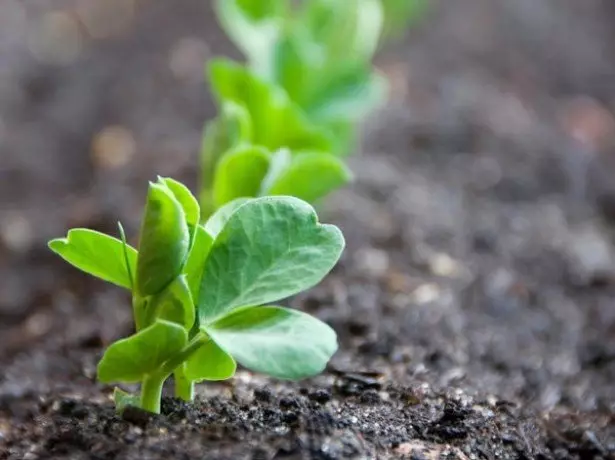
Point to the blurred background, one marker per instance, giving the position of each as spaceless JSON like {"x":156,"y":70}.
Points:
{"x":480,"y":224}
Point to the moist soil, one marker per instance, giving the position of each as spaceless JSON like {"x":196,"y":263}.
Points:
{"x":475,"y":302}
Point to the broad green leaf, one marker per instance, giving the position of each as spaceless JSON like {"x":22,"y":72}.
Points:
{"x":196,"y":260}
{"x":97,"y":254}
{"x":347,"y":96}
{"x":131,"y":359}
{"x":269,"y":249}
{"x":277,"y":121}
{"x":299,"y":178}
{"x":209,"y":362}
{"x":165,"y":241}
{"x":240,"y":173}
{"x":277,"y":341}
{"x":185,"y":198}
{"x":216,"y":222}
{"x":173,"y":304}
{"x":123,"y":399}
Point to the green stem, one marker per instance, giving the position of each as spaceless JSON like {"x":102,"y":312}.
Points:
{"x":151,"y":393}
{"x":151,"y":386}
{"x":184,"y":388}
{"x":173,"y":363}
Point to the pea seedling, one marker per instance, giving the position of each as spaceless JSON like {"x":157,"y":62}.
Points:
{"x":202,"y":294}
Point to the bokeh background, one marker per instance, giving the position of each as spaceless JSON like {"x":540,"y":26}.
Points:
{"x":480,"y":224}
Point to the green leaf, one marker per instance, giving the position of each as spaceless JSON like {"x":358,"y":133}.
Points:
{"x":186,"y":199}
{"x":165,"y":241}
{"x":240,"y":173}
{"x":232,"y":127}
{"x":277,"y":341}
{"x":173,"y":304}
{"x":97,"y":254}
{"x":131,"y":359}
{"x":196,"y":260}
{"x":348,"y":30}
{"x":347,"y":96}
{"x":277,"y":121}
{"x":123,"y":399}
{"x":209,"y":362}
{"x":298,"y":179}
{"x":216,"y":222}
{"x":270,"y":248}
{"x":254,"y":26}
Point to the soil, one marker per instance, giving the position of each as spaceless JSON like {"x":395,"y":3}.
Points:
{"x":475,"y":303}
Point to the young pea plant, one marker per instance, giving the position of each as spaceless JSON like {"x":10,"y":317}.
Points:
{"x":202,"y":294}
{"x":262,"y":144}
{"x":288,"y":117}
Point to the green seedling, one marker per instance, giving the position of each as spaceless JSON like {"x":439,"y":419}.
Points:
{"x":262,"y":144}
{"x":202,"y":294}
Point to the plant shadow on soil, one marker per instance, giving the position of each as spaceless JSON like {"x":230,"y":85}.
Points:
{"x":474,"y":304}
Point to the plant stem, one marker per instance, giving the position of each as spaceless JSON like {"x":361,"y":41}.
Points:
{"x":151,"y":392}
{"x":197,"y":342}
{"x":184,"y":388}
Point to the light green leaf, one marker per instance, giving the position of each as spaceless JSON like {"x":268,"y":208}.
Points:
{"x":240,"y":173}
{"x":216,"y":222}
{"x":131,"y":359}
{"x":347,"y":96}
{"x":277,"y":341}
{"x":209,"y":362}
{"x":196,"y":260}
{"x":348,"y":30}
{"x":298,"y":179}
{"x":165,"y":241}
{"x":232,"y":127}
{"x":277,"y":121}
{"x":186,"y":199}
{"x":269,"y":249}
{"x":123,"y":399}
{"x":97,"y":254}
{"x":173,"y":304}
{"x":254,"y":26}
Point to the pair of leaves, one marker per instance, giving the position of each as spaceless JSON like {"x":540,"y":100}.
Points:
{"x":249,"y":253}
{"x":253,"y":171}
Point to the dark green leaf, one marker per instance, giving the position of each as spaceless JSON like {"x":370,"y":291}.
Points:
{"x":277,"y":341}
{"x":240,"y":173}
{"x":131,"y":359}
{"x":165,"y":241}
{"x":97,"y":254}
{"x":270,"y":248}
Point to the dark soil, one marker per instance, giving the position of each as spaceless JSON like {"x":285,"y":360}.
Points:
{"x":475,"y":304}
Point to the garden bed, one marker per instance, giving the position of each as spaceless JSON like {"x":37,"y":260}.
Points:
{"x":474,"y":303}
